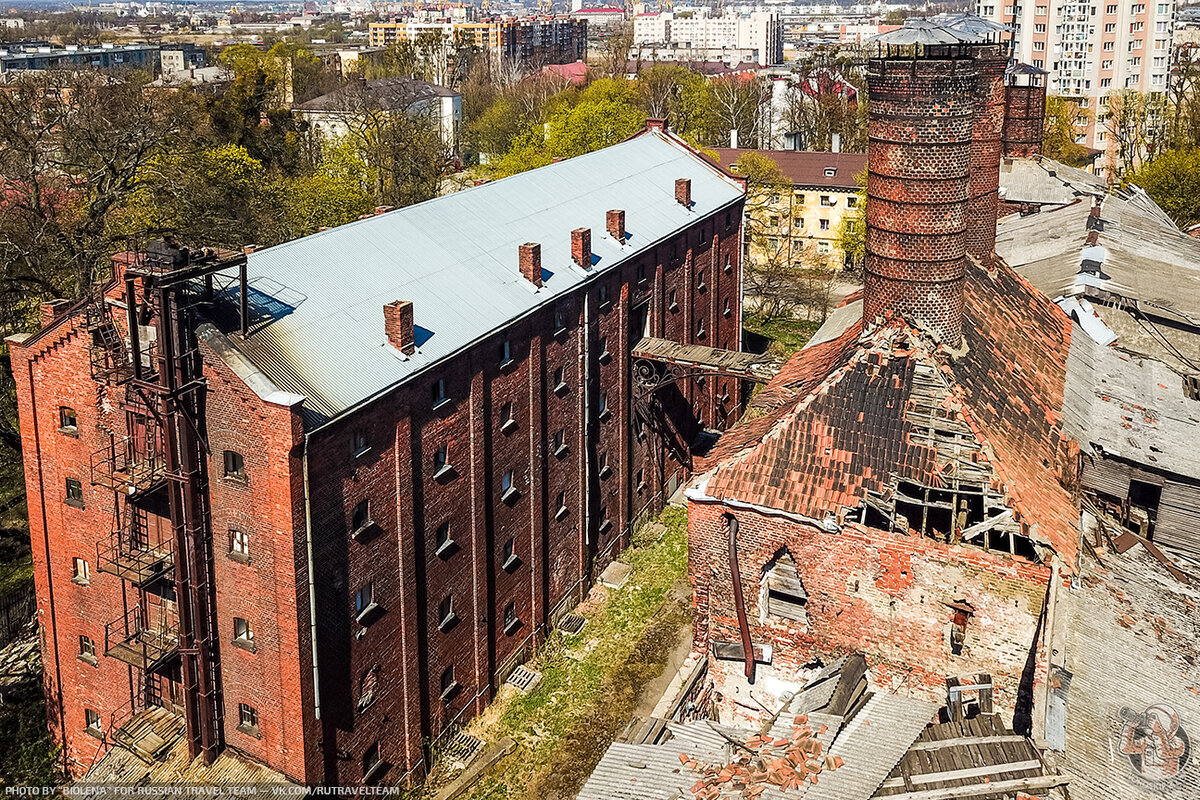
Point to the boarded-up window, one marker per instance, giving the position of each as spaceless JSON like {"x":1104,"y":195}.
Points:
{"x":783,"y":594}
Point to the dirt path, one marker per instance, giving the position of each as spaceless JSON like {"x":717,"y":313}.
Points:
{"x":653,"y":691}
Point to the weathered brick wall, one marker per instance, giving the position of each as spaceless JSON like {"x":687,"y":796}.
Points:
{"x":869,"y":591}
{"x":269,"y":589}
{"x":1024,"y":120}
{"x":920,"y":127}
{"x":555,"y":556}
{"x":400,"y":650}
{"x":55,"y":372}
{"x":986,"y":147}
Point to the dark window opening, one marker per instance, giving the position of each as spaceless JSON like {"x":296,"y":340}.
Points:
{"x":67,"y":421}
{"x":235,"y":465}
{"x":511,"y":620}
{"x":782,"y":593}
{"x":448,"y":684}
{"x":963,"y":612}
{"x":446,"y":615}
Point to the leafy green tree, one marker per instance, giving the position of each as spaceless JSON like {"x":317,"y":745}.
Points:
{"x":1173,"y":181}
{"x":679,"y":95}
{"x":1063,"y":118}
{"x":338,"y":192}
{"x":852,"y":229}
{"x":215,"y":196}
{"x":607,"y":113}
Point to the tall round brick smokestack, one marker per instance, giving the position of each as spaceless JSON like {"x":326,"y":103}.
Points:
{"x":922,"y":106}
{"x":1025,"y":111}
{"x":987,"y":129}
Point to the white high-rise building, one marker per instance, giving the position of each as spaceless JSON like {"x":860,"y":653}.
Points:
{"x":1091,"y":49}
{"x":695,"y":33}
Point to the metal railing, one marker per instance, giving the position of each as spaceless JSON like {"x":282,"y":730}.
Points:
{"x":128,"y":464}
{"x":133,"y":553}
{"x":142,"y":639}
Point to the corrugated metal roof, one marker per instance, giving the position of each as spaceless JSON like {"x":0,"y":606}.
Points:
{"x":321,"y":297}
{"x":871,"y":745}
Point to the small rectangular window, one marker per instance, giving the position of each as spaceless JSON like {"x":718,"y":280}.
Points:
{"x":87,"y":649}
{"x":92,"y":722}
{"x":449,"y":685}
{"x":243,"y":634}
{"x":511,"y":621}
{"x":247,"y":716}
{"x":510,"y":555}
{"x":508,"y":489}
{"x":364,"y":598}
{"x":239,"y":542}
{"x":446,"y":615}
{"x":74,"y":492}
{"x":358,"y":442}
{"x":560,"y":319}
{"x":360,"y":518}
{"x":80,"y":572}
{"x":67,"y":421}
{"x":508,"y":418}
{"x":602,"y":408}
{"x":506,"y":353}
{"x":826,"y":200}
{"x":235,"y":466}
{"x":672,"y":303}
{"x":605,"y":470}
{"x":603,"y":294}
{"x":560,"y":505}
{"x":438,"y":391}
{"x":444,"y":541}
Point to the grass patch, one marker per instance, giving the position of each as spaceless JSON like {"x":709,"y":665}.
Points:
{"x":787,"y":334}
{"x":16,"y":574}
{"x":590,"y":683}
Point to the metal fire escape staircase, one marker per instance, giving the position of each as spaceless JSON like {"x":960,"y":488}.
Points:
{"x":659,"y":363}
{"x":155,"y":360}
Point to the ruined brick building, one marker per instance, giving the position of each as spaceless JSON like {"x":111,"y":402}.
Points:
{"x":312,"y":504}
{"x":904,"y":487}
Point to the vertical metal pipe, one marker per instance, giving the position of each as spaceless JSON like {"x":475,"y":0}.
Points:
{"x":731,"y":525}
{"x":243,"y":301}
{"x":135,"y":344}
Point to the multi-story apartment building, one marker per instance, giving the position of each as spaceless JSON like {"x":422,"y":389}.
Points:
{"x":801,"y":226}
{"x":315,"y":502}
{"x":534,"y":41}
{"x":699,"y":34}
{"x":1091,"y":50}
{"x":105,"y":56}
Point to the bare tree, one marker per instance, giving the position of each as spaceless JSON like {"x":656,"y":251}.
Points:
{"x":76,"y":146}
{"x":739,"y":105}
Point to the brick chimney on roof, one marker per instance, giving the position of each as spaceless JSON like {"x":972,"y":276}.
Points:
{"x":530,"y":256}
{"x":398,"y":325}
{"x":991,"y":60}
{"x":1025,"y":112}
{"x":581,"y":247}
{"x":616,"y":224}
{"x":683,"y":192}
{"x":922,"y":106}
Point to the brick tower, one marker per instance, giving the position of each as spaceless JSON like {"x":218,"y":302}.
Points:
{"x":1025,"y":111}
{"x":919,"y":160}
{"x":991,"y":60}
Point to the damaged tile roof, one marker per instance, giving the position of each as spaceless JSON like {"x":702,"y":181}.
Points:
{"x":852,"y":415}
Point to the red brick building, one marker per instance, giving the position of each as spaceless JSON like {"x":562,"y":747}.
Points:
{"x":905,"y":488}
{"x":321,"y":499}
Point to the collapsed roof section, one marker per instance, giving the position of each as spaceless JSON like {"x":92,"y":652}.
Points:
{"x":887,"y":430}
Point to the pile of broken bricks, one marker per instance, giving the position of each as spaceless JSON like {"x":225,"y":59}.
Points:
{"x":764,"y":761}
